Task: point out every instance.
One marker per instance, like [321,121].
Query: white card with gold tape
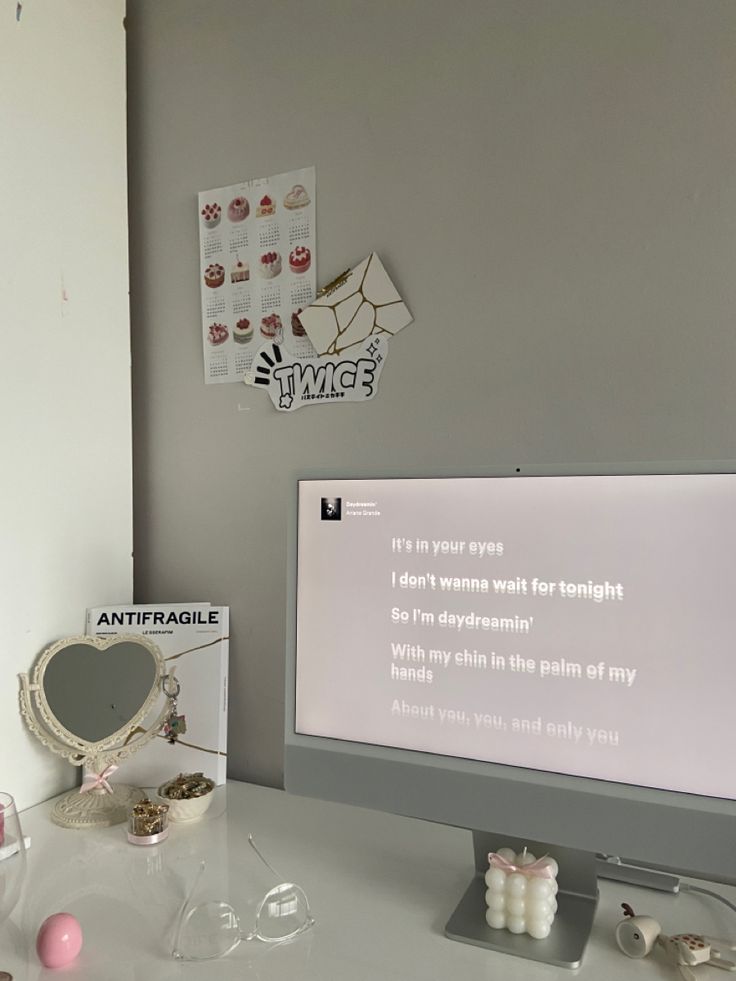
[361,303]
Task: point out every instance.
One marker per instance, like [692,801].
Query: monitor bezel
[686,833]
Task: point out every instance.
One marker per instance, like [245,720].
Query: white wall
[65,514]
[550,182]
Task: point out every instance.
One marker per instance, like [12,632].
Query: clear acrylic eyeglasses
[209,930]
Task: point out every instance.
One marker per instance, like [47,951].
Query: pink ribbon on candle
[94,780]
[541,869]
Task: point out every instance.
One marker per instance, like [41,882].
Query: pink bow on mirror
[96,781]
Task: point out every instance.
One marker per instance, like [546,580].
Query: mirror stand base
[96,810]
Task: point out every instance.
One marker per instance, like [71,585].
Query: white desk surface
[381,888]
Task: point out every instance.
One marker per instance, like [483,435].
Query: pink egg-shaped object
[59,940]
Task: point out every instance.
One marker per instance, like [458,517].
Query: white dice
[521,891]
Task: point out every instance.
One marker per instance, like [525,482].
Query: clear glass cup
[209,930]
[12,856]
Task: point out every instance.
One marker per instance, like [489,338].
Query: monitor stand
[577,899]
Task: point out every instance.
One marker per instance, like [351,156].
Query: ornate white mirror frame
[98,803]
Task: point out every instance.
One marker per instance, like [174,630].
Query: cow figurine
[637,935]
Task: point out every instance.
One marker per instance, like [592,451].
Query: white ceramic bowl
[190,809]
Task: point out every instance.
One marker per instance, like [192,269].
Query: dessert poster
[257,269]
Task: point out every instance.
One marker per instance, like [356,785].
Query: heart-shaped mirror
[93,701]
[93,690]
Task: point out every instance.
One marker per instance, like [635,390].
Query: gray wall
[552,186]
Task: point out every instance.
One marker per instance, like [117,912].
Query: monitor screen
[557,644]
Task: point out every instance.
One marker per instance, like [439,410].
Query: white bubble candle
[521,892]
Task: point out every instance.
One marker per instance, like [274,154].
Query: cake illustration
[217,334]
[266,207]
[238,209]
[240,273]
[243,331]
[269,265]
[300,259]
[296,198]
[297,327]
[211,214]
[214,275]
[272,328]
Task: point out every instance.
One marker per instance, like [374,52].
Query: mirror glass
[92,692]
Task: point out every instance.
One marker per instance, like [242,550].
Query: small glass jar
[148,823]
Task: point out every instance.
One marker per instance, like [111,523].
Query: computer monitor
[539,656]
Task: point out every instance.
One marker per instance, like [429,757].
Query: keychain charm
[175,725]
